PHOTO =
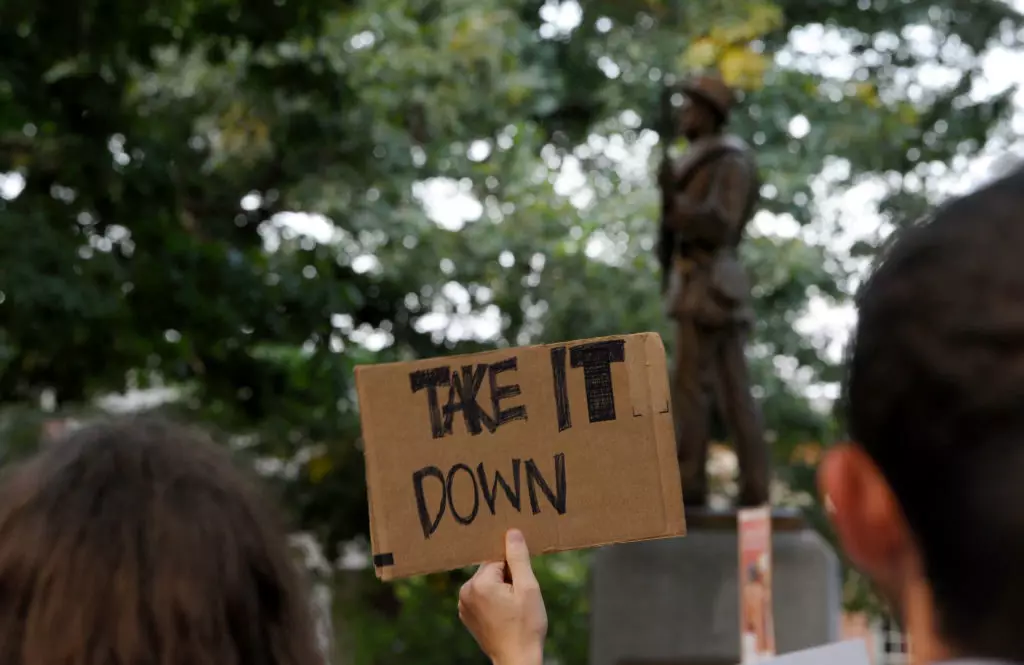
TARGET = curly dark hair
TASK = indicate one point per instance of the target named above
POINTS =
(935, 395)
(138, 542)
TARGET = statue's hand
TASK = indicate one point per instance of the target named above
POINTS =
(684, 206)
(684, 213)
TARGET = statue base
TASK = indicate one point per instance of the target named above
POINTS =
(676, 601)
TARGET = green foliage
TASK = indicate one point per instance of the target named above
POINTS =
(163, 147)
(419, 621)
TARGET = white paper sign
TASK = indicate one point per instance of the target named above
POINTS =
(850, 652)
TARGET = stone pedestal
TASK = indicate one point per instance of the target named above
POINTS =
(676, 602)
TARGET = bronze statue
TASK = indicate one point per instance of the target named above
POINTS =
(708, 197)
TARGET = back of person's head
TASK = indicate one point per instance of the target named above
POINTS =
(935, 404)
(137, 542)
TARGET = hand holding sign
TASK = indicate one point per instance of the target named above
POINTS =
(507, 618)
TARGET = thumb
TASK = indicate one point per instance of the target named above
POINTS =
(517, 555)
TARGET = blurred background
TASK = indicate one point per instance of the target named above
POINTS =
(217, 208)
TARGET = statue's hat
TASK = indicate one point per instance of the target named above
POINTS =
(711, 90)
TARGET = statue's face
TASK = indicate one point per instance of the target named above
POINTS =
(695, 119)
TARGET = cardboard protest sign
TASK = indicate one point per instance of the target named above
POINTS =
(850, 652)
(572, 443)
(757, 629)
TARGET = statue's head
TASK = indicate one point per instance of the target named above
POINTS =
(708, 102)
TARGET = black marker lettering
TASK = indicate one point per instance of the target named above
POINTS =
(430, 518)
(499, 393)
(561, 388)
(462, 396)
(490, 489)
(534, 479)
(451, 495)
(596, 359)
(431, 379)
(429, 526)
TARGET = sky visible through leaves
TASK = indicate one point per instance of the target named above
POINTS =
(843, 219)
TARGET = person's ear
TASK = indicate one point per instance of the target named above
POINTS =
(864, 512)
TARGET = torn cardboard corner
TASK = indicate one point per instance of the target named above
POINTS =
(572, 443)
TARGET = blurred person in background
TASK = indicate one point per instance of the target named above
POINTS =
(138, 542)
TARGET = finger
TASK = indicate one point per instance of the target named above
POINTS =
(489, 572)
(517, 556)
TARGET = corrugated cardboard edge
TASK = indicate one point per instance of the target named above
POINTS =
(378, 532)
(668, 464)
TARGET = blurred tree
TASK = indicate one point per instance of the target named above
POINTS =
(153, 159)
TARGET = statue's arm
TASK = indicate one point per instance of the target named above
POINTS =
(715, 220)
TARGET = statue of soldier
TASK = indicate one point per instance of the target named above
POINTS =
(708, 196)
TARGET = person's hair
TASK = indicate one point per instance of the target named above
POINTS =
(935, 395)
(138, 541)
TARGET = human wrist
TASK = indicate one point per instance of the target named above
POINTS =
(531, 656)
